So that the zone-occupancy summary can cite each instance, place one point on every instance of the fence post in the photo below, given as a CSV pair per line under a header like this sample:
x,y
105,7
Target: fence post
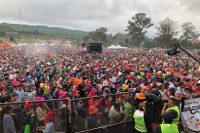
x,y
1,119
72,116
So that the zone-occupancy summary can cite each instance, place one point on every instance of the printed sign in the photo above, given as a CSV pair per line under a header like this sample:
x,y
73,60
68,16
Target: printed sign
x,y
191,114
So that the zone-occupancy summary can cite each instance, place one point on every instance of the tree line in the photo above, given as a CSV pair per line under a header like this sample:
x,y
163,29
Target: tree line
x,y
167,32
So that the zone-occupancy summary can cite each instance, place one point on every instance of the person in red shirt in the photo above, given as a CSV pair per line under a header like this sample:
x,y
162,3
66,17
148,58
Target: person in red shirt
x,y
2,87
196,89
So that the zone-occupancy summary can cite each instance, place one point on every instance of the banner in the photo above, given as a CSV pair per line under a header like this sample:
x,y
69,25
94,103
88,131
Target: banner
x,y
191,114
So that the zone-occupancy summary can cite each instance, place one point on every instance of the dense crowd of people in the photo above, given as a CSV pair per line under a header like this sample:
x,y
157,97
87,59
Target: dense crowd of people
x,y
142,86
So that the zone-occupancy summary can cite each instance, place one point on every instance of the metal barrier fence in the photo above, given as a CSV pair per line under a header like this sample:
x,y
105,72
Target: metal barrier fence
x,y
35,114
71,115
126,127
98,112
83,115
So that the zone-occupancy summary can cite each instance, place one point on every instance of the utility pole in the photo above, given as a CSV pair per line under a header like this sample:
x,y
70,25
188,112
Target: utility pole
x,y
20,19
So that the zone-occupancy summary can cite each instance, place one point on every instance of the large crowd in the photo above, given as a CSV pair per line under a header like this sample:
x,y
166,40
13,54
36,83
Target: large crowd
x,y
142,86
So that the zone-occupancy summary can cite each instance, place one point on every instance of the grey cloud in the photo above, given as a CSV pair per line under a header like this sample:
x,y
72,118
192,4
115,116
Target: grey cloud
x,y
191,6
76,13
91,14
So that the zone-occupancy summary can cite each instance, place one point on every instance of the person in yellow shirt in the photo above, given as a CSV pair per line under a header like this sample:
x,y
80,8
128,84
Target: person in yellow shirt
x,y
172,105
139,119
167,126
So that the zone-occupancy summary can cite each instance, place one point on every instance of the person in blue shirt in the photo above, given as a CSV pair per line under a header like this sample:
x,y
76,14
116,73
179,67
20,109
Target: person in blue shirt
x,y
8,123
21,93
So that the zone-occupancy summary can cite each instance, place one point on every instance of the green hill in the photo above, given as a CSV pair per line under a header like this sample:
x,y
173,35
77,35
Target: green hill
x,y
41,30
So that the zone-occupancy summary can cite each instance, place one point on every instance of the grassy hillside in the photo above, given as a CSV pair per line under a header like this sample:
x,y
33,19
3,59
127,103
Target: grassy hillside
x,y
39,31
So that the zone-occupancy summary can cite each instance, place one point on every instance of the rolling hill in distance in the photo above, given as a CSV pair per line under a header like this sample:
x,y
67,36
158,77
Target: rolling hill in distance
x,y
41,31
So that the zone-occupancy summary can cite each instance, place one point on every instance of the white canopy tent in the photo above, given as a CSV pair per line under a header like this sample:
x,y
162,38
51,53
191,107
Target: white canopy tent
x,y
117,47
111,47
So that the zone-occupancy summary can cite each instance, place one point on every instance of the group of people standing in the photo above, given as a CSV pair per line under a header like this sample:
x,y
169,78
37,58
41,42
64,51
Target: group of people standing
x,y
141,86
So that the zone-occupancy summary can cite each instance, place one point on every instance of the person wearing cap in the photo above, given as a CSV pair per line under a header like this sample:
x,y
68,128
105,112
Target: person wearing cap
x,y
172,105
113,82
167,126
124,87
30,81
49,124
94,112
128,108
27,118
94,101
20,92
196,89
92,118
120,79
65,113
57,90
40,110
139,97
81,116
15,83
78,80
139,119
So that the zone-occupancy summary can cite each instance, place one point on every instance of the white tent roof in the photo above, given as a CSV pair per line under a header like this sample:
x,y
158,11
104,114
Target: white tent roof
x,y
112,47
116,47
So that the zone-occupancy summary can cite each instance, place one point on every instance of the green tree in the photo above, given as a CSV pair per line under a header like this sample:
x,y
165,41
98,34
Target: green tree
x,y
99,35
118,39
109,40
189,32
148,42
137,28
166,31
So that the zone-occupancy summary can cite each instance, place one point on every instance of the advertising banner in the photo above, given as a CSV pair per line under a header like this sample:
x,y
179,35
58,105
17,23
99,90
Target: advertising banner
x,y
191,114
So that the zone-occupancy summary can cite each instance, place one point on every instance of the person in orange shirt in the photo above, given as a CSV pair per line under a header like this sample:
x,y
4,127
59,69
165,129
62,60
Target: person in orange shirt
x,y
78,80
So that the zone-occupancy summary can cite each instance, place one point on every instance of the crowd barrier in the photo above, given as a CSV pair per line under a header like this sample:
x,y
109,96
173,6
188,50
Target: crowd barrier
x,y
74,118
72,115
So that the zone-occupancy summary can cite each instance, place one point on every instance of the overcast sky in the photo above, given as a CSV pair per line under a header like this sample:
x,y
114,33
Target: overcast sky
x,y
88,15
